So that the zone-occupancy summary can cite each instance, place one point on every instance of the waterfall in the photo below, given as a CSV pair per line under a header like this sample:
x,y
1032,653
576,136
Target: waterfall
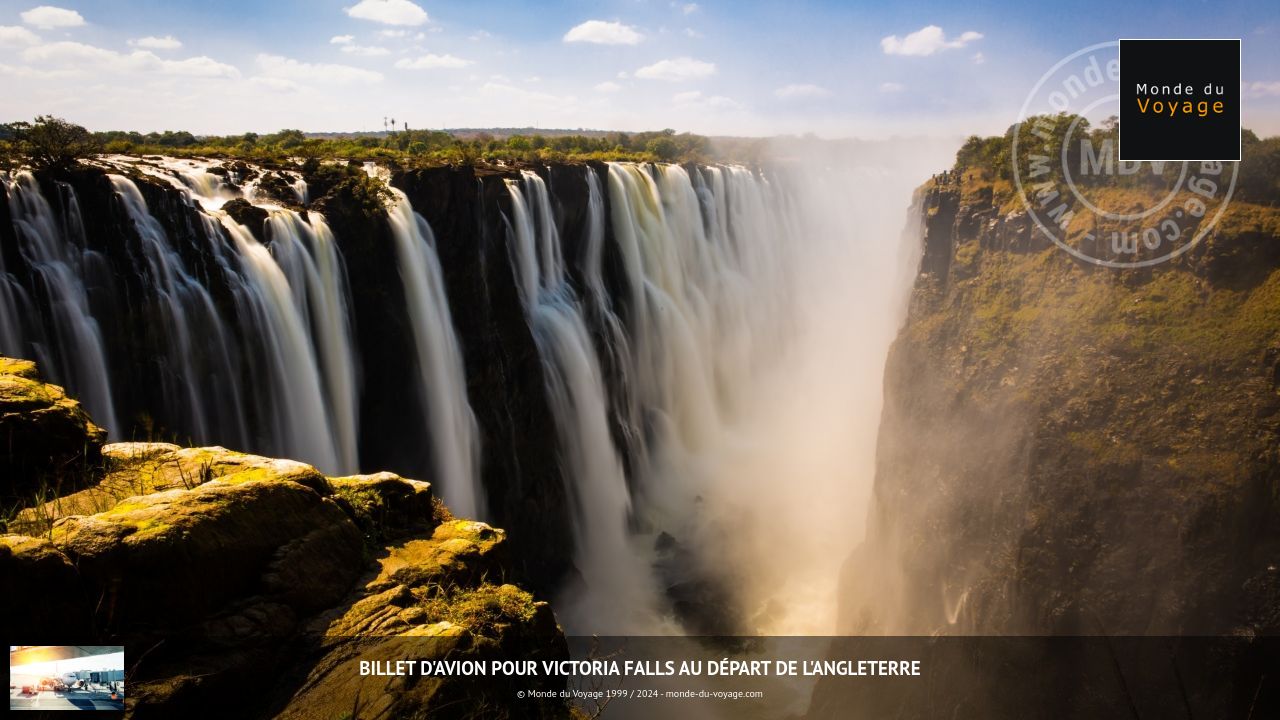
x,y
662,242
712,347
617,593
309,258
55,251
301,422
297,297
198,375
760,306
441,381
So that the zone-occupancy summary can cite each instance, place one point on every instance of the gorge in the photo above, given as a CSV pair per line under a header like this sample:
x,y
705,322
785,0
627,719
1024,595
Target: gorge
x,y
665,383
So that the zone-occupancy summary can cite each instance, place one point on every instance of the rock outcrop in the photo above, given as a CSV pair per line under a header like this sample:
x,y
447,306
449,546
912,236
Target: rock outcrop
x,y
48,444
250,586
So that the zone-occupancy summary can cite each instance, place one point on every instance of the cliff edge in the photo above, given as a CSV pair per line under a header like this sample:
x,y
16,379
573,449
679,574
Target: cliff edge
x,y
252,587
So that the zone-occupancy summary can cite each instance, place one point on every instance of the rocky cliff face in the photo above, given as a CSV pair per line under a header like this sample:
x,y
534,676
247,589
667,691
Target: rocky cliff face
x,y
1075,450
249,586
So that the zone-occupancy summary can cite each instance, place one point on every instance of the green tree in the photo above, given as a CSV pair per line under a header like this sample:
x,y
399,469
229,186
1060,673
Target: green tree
x,y
52,142
664,148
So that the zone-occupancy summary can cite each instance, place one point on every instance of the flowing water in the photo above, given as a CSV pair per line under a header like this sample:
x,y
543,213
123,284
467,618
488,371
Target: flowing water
x,y
616,590
441,383
712,347
53,247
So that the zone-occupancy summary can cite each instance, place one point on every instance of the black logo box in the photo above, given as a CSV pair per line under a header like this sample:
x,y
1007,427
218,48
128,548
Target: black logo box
x,y
1180,64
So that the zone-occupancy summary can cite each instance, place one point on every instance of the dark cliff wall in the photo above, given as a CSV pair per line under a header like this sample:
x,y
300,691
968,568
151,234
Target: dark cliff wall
x,y
505,382
1067,449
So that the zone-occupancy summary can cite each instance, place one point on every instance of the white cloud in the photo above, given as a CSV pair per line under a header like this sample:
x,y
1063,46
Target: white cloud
x,y
690,32
689,8
715,102
603,32
168,42
979,58
926,41
199,66
608,86
890,88
677,70
479,35
15,35
1259,89
278,66
47,17
365,50
431,61
389,12
78,56
800,91
341,39
393,33
63,54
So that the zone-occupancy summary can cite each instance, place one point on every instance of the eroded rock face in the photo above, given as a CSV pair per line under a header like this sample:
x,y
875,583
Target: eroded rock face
x,y
174,557
251,586
1072,450
430,599
47,441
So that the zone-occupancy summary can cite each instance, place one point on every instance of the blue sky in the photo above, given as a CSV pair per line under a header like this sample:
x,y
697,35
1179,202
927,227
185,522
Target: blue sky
x,y
861,69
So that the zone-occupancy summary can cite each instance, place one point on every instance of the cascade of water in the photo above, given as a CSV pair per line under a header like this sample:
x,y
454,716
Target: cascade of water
x,y
293,305
301,190
617,345
758,316
308,336
441,382
617,592
306,252
14,305
196,382
667,323
55,251
299,410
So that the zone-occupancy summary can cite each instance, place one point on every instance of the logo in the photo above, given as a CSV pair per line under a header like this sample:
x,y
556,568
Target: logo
x,y
1098,208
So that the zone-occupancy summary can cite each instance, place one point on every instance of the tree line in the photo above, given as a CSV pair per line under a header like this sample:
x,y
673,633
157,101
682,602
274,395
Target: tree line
x,y
53,142
1257,181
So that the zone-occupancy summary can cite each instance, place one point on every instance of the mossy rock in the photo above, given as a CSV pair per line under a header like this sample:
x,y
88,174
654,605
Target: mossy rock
x,y
385,505
459,552
175,557
138,468
48,443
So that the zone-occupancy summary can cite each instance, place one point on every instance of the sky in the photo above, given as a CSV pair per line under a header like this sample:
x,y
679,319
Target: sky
x,y
837,69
